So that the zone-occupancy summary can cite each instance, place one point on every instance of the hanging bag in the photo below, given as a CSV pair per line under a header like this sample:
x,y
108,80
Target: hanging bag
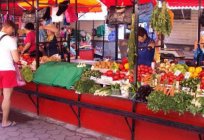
x,y
29,16
19,78
119,15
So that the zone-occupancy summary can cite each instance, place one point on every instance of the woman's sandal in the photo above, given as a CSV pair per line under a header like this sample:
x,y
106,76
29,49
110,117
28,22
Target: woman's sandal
x,y
11,124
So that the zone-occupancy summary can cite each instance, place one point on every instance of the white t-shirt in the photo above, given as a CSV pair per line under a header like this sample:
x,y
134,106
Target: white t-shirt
x,y
7,44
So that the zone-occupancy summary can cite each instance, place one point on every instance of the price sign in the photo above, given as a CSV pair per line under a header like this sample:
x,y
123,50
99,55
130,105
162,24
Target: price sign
x,y
177,72
187,75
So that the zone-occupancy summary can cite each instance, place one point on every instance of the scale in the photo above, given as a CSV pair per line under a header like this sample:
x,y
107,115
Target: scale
x,y
170,53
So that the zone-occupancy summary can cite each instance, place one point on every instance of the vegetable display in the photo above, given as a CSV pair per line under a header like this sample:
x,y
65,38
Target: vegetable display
x,y
83,85
158,101
88,73
143,92
190,83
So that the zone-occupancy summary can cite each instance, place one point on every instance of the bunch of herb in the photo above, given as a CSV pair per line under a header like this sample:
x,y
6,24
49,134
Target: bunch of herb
x,y
197,106
83,85
158,101
161,20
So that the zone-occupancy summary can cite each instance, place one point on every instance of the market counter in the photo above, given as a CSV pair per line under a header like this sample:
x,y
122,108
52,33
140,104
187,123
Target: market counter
x,y
106,122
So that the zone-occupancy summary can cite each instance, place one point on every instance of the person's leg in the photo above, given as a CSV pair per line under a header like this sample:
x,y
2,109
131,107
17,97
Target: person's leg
x,y
1,92
6,105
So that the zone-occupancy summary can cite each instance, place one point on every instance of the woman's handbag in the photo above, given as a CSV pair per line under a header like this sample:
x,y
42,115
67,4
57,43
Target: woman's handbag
x,y
30,16
19,78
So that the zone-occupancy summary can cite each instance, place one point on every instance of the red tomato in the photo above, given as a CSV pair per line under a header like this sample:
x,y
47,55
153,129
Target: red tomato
x,y
109,73
116,77
122,75
121,67
124,60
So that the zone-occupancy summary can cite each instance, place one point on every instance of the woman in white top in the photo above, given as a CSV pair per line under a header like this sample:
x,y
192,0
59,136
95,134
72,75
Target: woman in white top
x,y
8,55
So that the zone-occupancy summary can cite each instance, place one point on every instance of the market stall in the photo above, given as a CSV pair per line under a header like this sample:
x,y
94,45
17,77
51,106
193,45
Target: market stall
x,y
165,102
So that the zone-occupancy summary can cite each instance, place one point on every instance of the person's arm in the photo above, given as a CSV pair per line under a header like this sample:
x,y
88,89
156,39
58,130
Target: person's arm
x,y
151,44
26,47
15,56
195,45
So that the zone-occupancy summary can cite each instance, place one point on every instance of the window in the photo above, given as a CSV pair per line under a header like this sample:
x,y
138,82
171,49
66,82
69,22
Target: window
x,y
182,14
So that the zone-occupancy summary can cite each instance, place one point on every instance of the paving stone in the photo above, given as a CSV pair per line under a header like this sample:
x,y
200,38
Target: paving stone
x,y
25,130
50,127
89,138
53,132
31,139
71,127
39,131
28,135
11,129
13,134
3,131
43,136
68,132
89,132
4,137
82,135
73,138
59,137
23,126
15,138
41,128
34,122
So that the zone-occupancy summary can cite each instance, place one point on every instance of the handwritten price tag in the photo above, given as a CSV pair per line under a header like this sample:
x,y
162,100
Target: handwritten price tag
x,y
187,75
177,72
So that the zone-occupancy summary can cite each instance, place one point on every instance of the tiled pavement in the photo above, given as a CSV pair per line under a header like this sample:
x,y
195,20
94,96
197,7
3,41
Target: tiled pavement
x,y
32,127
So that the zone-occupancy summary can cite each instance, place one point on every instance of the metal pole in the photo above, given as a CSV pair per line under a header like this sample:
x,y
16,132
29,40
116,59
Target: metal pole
x,y
68,45
116,42
7,6
116,36
76,31
7,9
104,39
93,35
199,26
199,15
37,33
136,12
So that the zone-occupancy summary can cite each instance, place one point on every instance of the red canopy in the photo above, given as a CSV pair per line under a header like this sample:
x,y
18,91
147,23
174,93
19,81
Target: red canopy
x,y
174,4
18,10
109,3
184,4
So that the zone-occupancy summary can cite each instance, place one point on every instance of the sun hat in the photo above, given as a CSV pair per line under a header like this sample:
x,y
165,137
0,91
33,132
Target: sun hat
x,y
51,27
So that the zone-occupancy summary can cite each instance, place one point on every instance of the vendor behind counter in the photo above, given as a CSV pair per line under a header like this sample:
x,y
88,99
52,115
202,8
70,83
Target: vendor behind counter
x,y
145,48
51,48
